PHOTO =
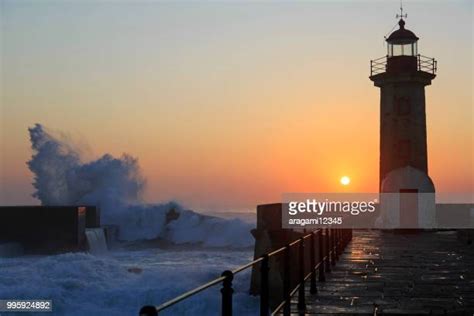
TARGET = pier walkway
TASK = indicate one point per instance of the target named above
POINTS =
(383, 273)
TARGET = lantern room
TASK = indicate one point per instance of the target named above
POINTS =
(402, 51)
(402, 42)
(402, 55)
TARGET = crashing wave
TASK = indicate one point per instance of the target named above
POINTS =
(116, 185)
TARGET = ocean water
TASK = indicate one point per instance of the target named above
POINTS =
(200, 247)
(121, 281)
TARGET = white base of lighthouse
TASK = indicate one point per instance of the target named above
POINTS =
(407, 200)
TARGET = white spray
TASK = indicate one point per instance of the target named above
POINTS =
(116, 186)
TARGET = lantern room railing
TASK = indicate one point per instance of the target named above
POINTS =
(378, 66)
(423, 63)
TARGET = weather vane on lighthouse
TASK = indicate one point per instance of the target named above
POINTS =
(401, 15)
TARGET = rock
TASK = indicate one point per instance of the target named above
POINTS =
(135, 270)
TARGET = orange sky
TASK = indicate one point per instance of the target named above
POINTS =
(228, 105)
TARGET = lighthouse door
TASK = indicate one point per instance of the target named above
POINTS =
(408, 208)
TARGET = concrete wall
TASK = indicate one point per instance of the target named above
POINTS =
(458, 216)
(270, 236)
(45, 229)
(92, 216)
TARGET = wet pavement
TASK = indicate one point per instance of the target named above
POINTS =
(382, 273)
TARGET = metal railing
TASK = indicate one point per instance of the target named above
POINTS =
(378, 66)
(423, 63)
(330, 246)
(427, 64)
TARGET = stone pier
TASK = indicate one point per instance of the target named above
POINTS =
(385, 273)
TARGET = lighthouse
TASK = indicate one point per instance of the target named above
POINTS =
(402, 76)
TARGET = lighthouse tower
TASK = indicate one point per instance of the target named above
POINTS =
(402, 76)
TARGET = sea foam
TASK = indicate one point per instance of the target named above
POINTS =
(116, 185)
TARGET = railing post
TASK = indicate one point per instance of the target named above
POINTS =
(322, 277)
(148, 310)
(301, 295)
(227, 292)
(340, 242)
(333, 255)
(343, 231)
(313, 289)
(344, 238)
(328, 251)
(264, 287)
(286, 282)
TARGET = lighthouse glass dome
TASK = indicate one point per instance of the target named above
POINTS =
(402, 42)
(408, 49)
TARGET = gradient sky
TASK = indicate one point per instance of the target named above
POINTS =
(228, 104)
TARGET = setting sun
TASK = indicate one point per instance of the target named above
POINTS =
(345, 180)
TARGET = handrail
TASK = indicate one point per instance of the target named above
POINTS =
(190, 293)
(335, 240)
(280, 306)
(380, 58)
(423, 63)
